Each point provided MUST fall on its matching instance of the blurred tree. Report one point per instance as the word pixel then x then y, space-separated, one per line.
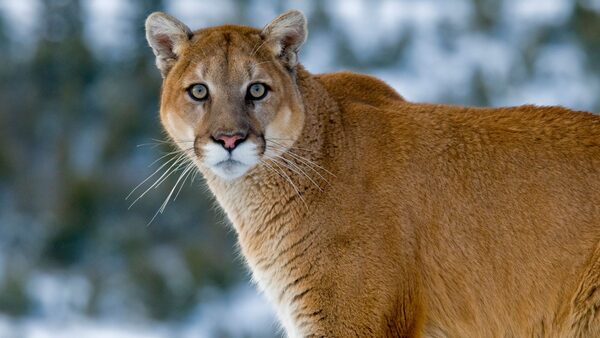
pixel 62 70
pixel 586 28
pixel 5 80
pixel 487 15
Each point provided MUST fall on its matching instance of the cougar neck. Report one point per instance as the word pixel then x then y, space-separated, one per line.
pixel 277 196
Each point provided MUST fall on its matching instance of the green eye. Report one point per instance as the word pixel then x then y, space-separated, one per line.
pixel 198 92
pixel 257 91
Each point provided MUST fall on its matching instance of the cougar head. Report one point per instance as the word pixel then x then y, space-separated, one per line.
pixel 229 96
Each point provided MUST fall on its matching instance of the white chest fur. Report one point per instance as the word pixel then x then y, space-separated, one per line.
pixel 270 286
pixel 246 209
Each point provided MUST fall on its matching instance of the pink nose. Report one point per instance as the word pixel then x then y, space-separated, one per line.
pixel 229 141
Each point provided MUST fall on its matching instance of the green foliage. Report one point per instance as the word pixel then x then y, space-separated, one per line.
pixel 75 224
pixel 13 299
pixel 586 24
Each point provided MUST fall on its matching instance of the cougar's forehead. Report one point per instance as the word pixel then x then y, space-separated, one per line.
pixel 224 40
pixel 225 53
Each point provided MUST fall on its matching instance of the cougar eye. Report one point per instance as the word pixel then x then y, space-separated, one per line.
pixel 256 91
pixel 198 92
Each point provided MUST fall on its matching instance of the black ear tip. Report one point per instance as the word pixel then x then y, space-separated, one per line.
pixel 292 18
pixel 156 14
pixel 294 15
pixel 160 19
pixel 153 17
pixel 294 12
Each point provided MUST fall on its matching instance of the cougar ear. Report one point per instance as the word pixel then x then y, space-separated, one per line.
pixel 167 36
pixel 285 35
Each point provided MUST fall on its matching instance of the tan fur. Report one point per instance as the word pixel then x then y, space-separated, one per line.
pixel 420 220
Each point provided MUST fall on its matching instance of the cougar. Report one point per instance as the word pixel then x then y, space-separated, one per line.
pixel 361 214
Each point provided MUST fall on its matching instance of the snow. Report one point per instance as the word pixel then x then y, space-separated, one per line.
pixel 548 12
pixel 60 301
pixel 39 328
pixel 21 15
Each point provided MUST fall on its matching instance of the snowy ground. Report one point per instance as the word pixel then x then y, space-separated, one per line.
pixel 241 313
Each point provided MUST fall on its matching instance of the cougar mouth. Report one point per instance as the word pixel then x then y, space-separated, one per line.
pixel 230 164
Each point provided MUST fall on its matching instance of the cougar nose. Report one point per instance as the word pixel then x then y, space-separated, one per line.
pixel 229 142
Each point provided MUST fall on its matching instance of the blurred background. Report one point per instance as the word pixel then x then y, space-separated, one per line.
pixel 79 130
